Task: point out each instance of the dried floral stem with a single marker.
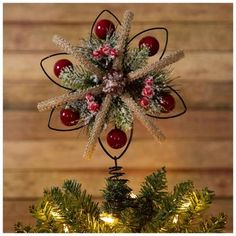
(68, 48)
(156, 66)
(97, 128)
(140, 114)
(68, 97)
(123, 34)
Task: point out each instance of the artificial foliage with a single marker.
(111, 82)
(153, 210)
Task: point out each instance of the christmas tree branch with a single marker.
(154, 210)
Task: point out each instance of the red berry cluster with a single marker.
(93, 106)
(147, 92)
(166, 100)
(105, 50)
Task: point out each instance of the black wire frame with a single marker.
(115, 158)
(150, 29)
(173, 116)
(62, 130)
(45, 72)
(112, 14)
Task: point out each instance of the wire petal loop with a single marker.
(176, 115)
(59, 129)
(46, 73)
(99, 15)
(165, 30)
(122, 153)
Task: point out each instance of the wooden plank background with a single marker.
(198, 146)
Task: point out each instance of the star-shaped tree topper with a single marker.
(115, 82)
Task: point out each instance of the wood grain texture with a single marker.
(31, 183)
(30, 125)
(38, 37)
(71, 13)
(199, 144)
(196, 66)
(219, 93)
(143, 154)
(213, 85)
(17, 210)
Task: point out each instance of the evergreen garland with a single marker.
(153, 210)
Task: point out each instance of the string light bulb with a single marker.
(66, 229)
(55, 214)
(132, 195)
(175, 219)
(186, 204)
(108, 218)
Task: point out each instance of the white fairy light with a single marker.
(132, 195)
(175, 219)
(66, 229)
(186, 204)
(108, 218)
(55, 214)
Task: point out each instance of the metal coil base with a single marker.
(116, 172)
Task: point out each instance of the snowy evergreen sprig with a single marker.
(77, 78)
(135, 58)
(90, 45)
(154, 210)
(120, 115)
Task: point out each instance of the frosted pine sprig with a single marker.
(135, 59)
(120, 114)
(77, 78)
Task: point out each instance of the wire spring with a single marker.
(116, 172)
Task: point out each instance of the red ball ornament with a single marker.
(150, 42)
(69, 117)
(59, 65)
(103, 27)
(116, 138)
(167, 102)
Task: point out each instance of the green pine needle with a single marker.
(154, 210)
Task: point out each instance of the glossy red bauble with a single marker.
(69, 117)
(167, 102)
(59, 65)
(103, 27)
(150, 42)
(116, 138)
